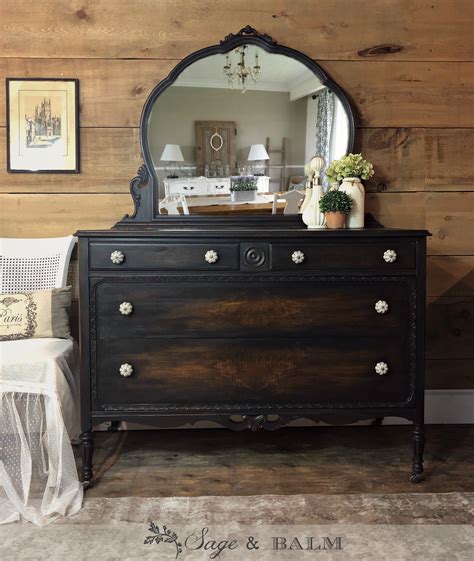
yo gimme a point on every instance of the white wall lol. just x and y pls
(257, 114)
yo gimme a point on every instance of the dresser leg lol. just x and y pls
(87, 449)
(418, 441)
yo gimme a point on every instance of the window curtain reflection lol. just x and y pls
(324, 124)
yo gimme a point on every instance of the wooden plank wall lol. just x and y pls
(407, 65)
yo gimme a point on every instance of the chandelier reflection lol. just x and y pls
(240, 74)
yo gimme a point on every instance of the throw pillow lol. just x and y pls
(28, 315)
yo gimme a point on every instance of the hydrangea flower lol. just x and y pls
(352, 165)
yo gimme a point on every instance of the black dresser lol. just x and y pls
(202, 308)
(251, 329)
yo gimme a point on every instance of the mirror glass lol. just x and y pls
(233, 133)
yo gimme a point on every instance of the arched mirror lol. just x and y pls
(230, 130)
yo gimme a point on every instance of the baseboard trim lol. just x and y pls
(442, 407)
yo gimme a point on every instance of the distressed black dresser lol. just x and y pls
(232, 314)
(251, 329)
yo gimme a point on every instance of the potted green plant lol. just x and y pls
(243, 188)
(351, 169)
(336, 205)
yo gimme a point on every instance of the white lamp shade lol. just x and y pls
(258, 152)
(172, 153)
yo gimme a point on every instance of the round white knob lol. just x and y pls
(211, 256)
(390, 255)
(381, 368)
(125, 308)
(117, 257)
(126, 370)
(297, 257)
(381, 307)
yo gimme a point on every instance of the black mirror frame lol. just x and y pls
(144, 187)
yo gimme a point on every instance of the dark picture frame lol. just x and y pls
(42, 125)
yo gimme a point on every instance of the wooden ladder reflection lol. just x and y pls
(281, 165)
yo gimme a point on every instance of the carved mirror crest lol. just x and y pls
(244, 115)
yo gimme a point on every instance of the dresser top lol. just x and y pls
(266, 232)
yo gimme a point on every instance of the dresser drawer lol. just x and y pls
(219, 186)
(386, 256)
(284, 372)
(119, 255)
(228, 309)
(188, 188)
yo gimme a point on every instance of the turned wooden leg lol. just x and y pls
(87, 449)
(418, 440)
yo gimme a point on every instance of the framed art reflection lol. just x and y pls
(42, 125)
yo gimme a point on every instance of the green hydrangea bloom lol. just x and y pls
(352, 165)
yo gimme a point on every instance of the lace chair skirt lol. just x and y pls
(38, 415)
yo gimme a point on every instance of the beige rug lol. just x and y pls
(413, 527)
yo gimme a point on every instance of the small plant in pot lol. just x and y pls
(243, 188)
(336, 205)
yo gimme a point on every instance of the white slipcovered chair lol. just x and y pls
(38, 395)
(171, 203)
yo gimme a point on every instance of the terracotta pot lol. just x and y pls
(335, 220)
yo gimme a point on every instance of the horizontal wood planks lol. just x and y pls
(408, 68)
(415, 94)
(418, 159)
(450, 275)
(39, 215)
(330, 30)
(112, 92)
(406, 159)
(449, 216)
(385, 94)
(110, 157)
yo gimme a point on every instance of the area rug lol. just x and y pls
(399, 527)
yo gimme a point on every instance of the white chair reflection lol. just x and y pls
(171, 203)
(293, 200)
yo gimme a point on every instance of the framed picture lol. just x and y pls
(42, 125)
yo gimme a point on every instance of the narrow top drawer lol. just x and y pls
(119, 255)
(389, 255)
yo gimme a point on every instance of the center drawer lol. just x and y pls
(282, 372)
(141, 310)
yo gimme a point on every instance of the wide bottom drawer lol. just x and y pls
(271, 309)
(282, 372)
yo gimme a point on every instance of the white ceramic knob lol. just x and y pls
(297, 257)
(381, 307)
(390, 255)
(126, 370)
(381, 368)
(125, 308)
(117, 257)
(211, 256)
